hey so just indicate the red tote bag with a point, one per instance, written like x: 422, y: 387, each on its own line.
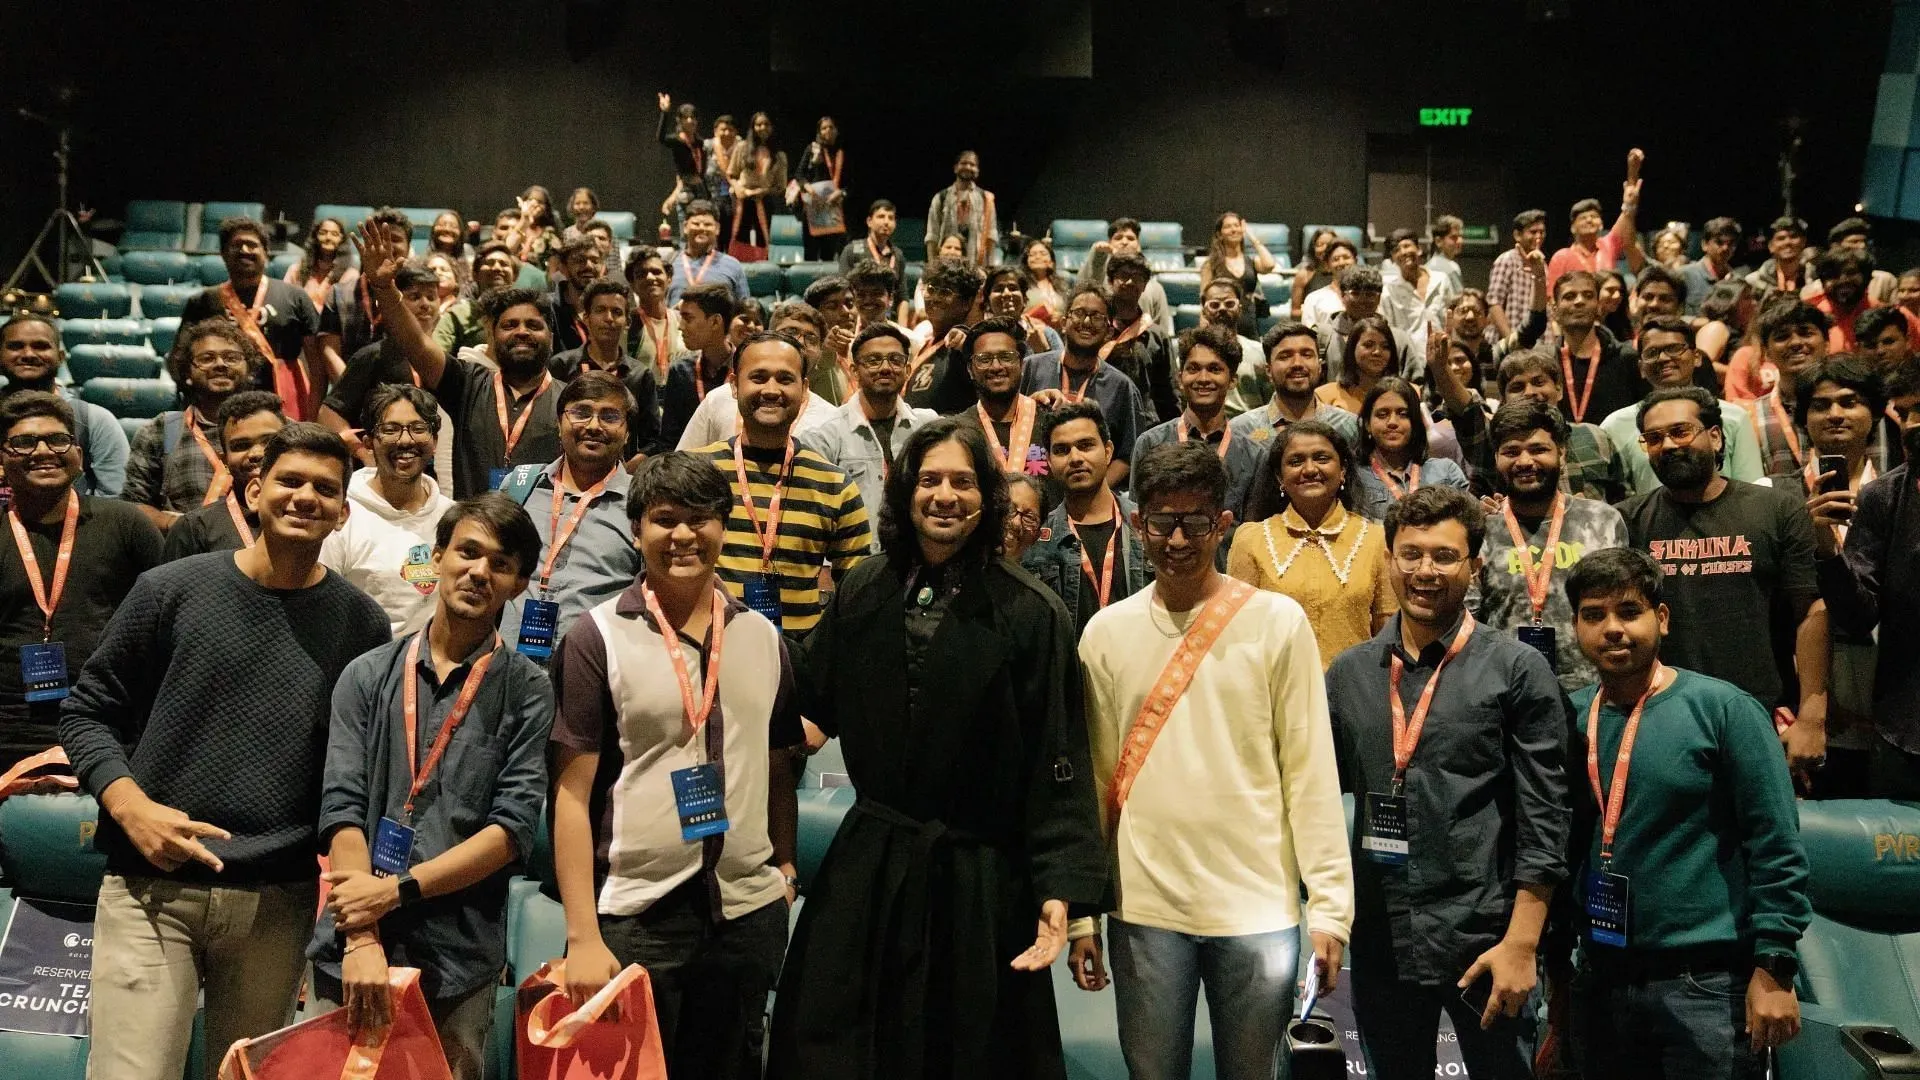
x: 323, y: 1047
x: 614, y: 1036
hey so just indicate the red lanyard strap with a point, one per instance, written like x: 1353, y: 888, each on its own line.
x: 410, y: 710
x: 1616, y: 797
x: 1226, y: 436
x: 1013, y: 456
x: 1406, y: 735
x: 222, y: 478
x: 512, y: 435
x: 696, y: 277
x: 1066, y: 378
x: 1393, y: 489
x: 1787, y: 430
x: 1541, y: 577
x: 697, y: 710
x: 1133, y: 330
x: 559, y: 535
x: 770, y: 535
x: 48, y: 599
x: 1103, y: 582
x: 239, y: 520
x: 1579, y: 401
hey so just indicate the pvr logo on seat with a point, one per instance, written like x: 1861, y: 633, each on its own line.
x: 1900, y: 847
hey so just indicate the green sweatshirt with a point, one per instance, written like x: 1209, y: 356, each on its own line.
x: 1709, y: 834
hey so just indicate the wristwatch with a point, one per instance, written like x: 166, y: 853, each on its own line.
x: 409, y: 889
x: 1781, y: 966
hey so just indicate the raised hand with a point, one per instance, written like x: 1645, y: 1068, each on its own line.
x: 1630, y: 191
x: 666, y: 101
x: 380, y: 257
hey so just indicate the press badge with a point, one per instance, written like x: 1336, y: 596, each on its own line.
x: 1607, y: 908
x: 1383, y: 835
x: 701, y: 801
x: 539, y: 621
x: 763, y: 596
x: 43, y: 670
x: 1541, y: 638
x: 392, y: 848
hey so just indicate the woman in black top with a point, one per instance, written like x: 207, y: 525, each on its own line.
x: 1313, y: 273
x: 759, y: 171
x: 680, y: 134
x: 824, y: 160
x: 1227, y: 256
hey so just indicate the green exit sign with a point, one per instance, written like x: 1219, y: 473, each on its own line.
x: 1445, y: 117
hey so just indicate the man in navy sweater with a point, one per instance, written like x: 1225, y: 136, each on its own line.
x: 217, y: 671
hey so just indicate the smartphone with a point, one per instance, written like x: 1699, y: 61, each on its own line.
x: 1478, y: 993
x: 1836, y: 464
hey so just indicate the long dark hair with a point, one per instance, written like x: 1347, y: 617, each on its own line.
x: 899, y: 539
x: 1417, y: 421
x: 1350, y: 370
x: 1269, y: 498
x: 342, y: 257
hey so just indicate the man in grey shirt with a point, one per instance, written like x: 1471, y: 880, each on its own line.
x: 1123, y: 238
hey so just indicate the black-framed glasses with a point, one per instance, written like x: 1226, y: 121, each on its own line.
x: 231, y: 358
x: 419, y: 429
x: 996, y: 359
x: 876, y: 361
x: 1083, y: 315
x: 1409, y: 560
x: 1680, y: 435
x: 586, y: 414
x: 1675, y: 351
x: 1195, y: 526
x: 58, y: 442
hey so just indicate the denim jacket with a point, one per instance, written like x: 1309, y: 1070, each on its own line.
x: 1055, y: 560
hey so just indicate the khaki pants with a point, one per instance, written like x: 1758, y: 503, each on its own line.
x: 158, y: 943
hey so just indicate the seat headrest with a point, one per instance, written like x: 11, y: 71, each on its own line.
x: 46, y: 847
x: 1864, y: 856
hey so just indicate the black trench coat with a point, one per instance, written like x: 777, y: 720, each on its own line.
x: 975, y: 806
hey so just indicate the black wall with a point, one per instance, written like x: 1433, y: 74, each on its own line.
x: 1192, y: 108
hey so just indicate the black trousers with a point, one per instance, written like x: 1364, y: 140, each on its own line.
x: 711, y: 977
x: 1399, y: 1021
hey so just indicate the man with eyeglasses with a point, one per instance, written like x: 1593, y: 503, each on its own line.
x: 1015, y: 425
x: 1739, y: 557
x: 172, y: 465
x: 1080, y: 373
x: 386, y: 547
x: 1123, y: 238
x: 1214, y: 766
x: 71, y: 560
x: 578, y: 503
x: 381, y: 360
x: 865, y: 435
x: 30, y: 358
x: 1220, y: 305
x: 607, y: 311
x: 246, y: 421
x: 1668, y: 358
x: 1089, y: 554
x: 1461, y: 826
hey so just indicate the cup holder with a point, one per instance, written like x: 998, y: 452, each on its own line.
x: 1310, y: 1033
x: 1883, y: 1050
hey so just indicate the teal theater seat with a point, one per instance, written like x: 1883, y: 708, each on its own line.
x: 1162, y: 260
x: 821, y: 811
x: 1352, y: 234
x: 166, y: 301
x: 161, y: 332
x: 102, y: 332
x: 131, y: 425
x: 763, y: 280
x: 1278, y: 287
x: 621, y: 221
x: 159, y: 267
x: 1278, y: 238
x: 1186, y: 317
x: 350, y: 216
x: 785, y: 229
x: 93, y: 300
x: 802, y: 274
x: 213, y: 213
x: 421, y: 218
x: 1076, y: 234
x: 144, y: 398
x: 1160, y: 234
x: 88, y: 362
x: 1858, y: 959
x: 210, y: 269
x: 46, y: 851
x: 1181, y: 286
x: 155, y: 225
x: 282, y: 263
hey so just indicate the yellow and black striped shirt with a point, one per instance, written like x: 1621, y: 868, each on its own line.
x: 822, y: 521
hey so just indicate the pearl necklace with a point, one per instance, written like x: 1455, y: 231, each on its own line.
x: 1341, y: 570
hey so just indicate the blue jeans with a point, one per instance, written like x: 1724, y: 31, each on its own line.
x: 1157, y: 976
x: 1693, y: 1026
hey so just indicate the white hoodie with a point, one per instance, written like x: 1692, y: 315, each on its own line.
x: 388, y: 553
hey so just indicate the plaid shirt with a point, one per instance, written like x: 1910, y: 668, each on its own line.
x: 1777, y: 453
x: 173, y: 478
x: 1589, y: 468
x: 1509, y: 285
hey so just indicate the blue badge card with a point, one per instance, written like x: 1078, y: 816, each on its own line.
x: 1383, y: 834
x: 43, y: 670
x: 763, y: 596
x: 539, y: 624
x: 1607, y: 908
x: 1542, y: 639
x: 496, y: 477
x: 701, y: 801
x: 392, y: 848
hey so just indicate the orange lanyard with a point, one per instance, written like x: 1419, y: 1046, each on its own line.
x: 697, y: 709
x: 1226, y: 436
x: 1579, y: 402
x: 239, y: 520
x: 687, y: 271
x: 835, y: 160
x: 222, y: 479
x: 562, y: 535
x: 1013, y: 456
x: 1406, y: 735
x: 69, y: 530
x: 1538, y: 578
x: 770, y: 535
x: 1616, y: 797
x: 410, y: 708
x: 1393, y: 489
x: 500, y: 408
x: 886, y: 260
x: 697, y: 150
x: 1138, y: 327
x: 1787, y: 430
x: 1066, y: 390
x: 1103, y: 584
x: 660, y: 358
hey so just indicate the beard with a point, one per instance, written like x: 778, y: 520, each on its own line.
x: 1685, y: 468
x: 1549, y: 483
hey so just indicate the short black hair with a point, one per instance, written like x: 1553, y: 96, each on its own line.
x: 1084, y: 409
x: 1425, y: 507
x: 1416, y: 419
x: 640, y: 256
x: 867, y: 274
x: 1582, y: 207
x: 1267, y: 498
x: 1522, y: 417
x: 1867, y: 325
x: 497, y: 302
x: 1124, y: 261
x: 1721, y: 228
x: 596, y: 386
x: 1179, y: 467
x: 1901, y: 381
x: 1396, y: 236
x: 30, y: 403
x: 1526, y: 362
x: 1222, y: 281
x: 801, y: 310
x: 1845, y: 227
x: 824, y: 287
x: 957, y: 276
x: 1653, y: 273
x: 305, y: 437
x: 1785, y: 310
x: 1362, y: 277
x: 701, y: 208
x: 762, y: 337
x: 244, y: 404
x: 605, y: 287
x: 1573, y: 277
x: 878, y: 205
x: 480, y: 253
x: 1613, y: 572
x: 579, y: 245
x: 1667, y: 324
x: 599, y: 225
x: 387, y: 395
x: 713, y: 299
x: 1092, y: 288
x: 992, y: 324
x: 1856, y: 373
x: 392, y: 217
x: 1123, y: 224
x: 1222, y: 341
x: 880, y: 330
x: 1835, y: 260
x: 508, y: 521
x: 1701, y: 397
x: 1787, y: 224
x: 1527, y: 219
x: 1341, y: 242
x: 33, y: 318
x: 414, y: 274
x: 1282, y: 330
x: 234, y: 226
x: 899, y: 539
x: 679, y: 478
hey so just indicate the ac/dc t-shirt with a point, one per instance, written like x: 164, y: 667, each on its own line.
x: 1739, y: 573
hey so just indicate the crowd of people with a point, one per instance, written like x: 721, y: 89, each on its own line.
x: 1099, y: 621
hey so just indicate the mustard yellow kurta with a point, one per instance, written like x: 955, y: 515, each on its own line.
x: 1341, y: 615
